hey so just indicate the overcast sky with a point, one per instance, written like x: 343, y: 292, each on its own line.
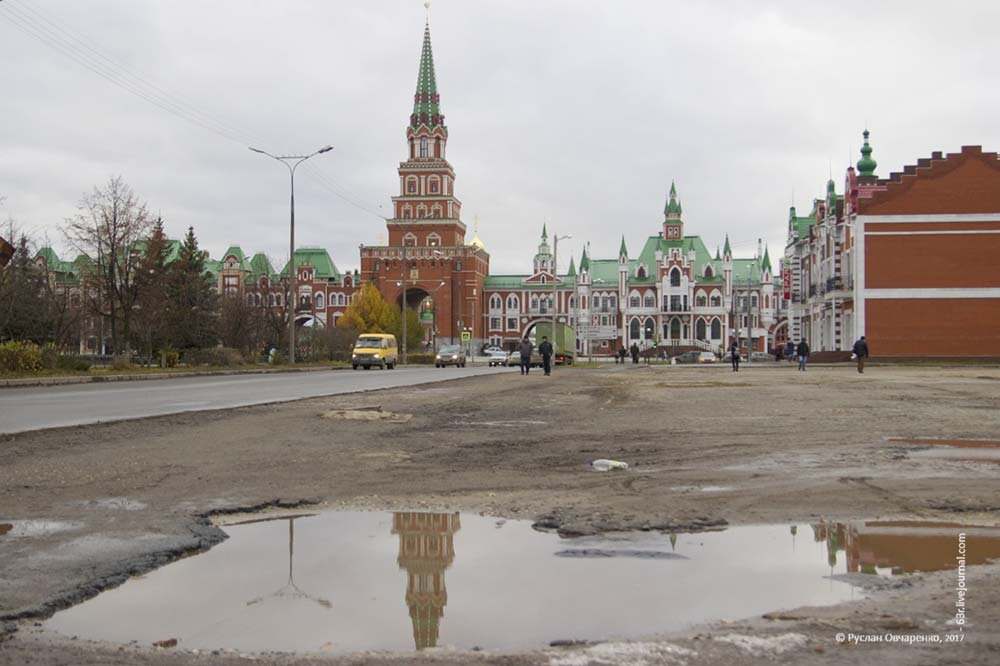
x: 578, y: 113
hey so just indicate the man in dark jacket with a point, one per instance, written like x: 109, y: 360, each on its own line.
x: 734, y: 354
x: 525, y: 351
x: 861, y: 352
x: 545, y: 349
x: 622, y: 353
x: 635, y: 353
x: 802, y: 351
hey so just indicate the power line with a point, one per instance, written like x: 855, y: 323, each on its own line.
x: 58, y: 37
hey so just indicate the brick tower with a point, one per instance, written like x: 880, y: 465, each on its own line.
x: 442, y: 274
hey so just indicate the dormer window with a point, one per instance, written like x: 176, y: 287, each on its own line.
x: 641, y: 272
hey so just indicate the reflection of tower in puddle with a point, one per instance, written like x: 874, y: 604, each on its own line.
x: 426, y: 549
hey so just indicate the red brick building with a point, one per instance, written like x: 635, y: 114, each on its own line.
x: 426, y: 252
x: 928, y: 248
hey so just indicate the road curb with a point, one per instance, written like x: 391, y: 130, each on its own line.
x: 57, y: 381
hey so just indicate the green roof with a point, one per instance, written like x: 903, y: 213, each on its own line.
x: 517, y: 282
x: 426, y: 101
x: 866, y: 165
x: 799, y: 226
x: 744, y: 267
x: 316, y: 257
x: 237, y: 251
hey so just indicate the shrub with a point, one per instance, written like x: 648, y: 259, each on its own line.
x: 20, y: 357
x: 418, y: 359
x: 49, y: 357
x: 72, y: 363
x: 169, y: 357
x: 279, y: 358
x: 121, y: 362
x: 221, y: 356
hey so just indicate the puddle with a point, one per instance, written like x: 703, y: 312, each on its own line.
x: 351, y: 581
x: 894, y: 547
x: 973, y: 450
x: 700, y: 489
x: 35, y: 528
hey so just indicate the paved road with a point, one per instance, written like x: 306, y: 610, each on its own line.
x: 76, y: 404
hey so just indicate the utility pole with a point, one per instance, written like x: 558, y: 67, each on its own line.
x: 290, y: 300
x: 555, y: 283
x: 405, y: 269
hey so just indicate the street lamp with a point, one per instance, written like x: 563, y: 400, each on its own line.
x: 555, y: 279
x: 297, y: 159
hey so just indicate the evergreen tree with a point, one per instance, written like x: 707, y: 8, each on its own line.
x: 191, y: 306
x: 150, y: 317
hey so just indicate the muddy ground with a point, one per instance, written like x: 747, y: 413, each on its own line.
x: 787, y: 446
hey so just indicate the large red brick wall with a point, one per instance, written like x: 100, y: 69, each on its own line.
x: 932, y: 261
x: 933, y: 327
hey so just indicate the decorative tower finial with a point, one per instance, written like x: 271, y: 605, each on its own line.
x: 866, y: 165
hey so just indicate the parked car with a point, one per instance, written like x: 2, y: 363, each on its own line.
x: 491, y: 348
x: 761, y: 356
x: 496, y: 357
x: 450, y: 355
x: 689, y: 357
x: 706, y: 357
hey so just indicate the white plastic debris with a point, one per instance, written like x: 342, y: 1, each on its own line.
x: 605, y: 465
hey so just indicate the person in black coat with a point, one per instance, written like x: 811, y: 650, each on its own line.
x: 802, y: 351
x: 545, y: 349
x: 734, y: 355
x: 525, y: 351
x: 635, y: 353
x: 861, y: 352
x: 622, y: 353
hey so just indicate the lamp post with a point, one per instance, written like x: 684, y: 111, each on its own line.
x: 555, y: 279
x: 291, y: 162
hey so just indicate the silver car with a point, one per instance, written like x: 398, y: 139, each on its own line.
x: 450, y: 355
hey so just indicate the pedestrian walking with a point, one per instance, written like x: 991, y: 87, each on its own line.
x: 790, y: 351
x: 525, y: 351
x: 545, y: 349
x: 734, y: 354
x: 803, y: 353
x: 622, y: 353
x: 778, y: 353
x: 635, y: 353
x: 861, y: 352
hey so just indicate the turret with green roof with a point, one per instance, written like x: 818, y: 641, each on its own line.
x: 623, y: 251
x: 673, y: 208
x: 866, y: 165
x: 426, y: 101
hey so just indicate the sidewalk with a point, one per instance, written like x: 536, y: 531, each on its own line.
x: 127, y: 377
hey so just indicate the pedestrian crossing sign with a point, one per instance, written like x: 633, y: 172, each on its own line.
x: 466, y: 336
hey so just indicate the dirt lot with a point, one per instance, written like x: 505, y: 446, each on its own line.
x: 786, y: 446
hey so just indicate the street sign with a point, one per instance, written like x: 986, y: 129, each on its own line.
x: 585, y: 332
x: 466, y: 336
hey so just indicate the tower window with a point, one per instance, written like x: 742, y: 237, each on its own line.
x: 423, y: 147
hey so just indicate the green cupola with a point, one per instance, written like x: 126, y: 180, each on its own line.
x: 673, y: 208
x: 866, y: 165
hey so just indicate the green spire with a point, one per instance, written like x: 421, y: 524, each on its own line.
x: 426, y: 101
x: 726, y: 249
x: 585, y: 261
x: 718, y: 257
x: 572, y: 268
x: 831, y: 188
x: 545, y: 232
x: 765, y: 263
x: 623, y: 251
x: 866, y: 165
x: 673, y: 206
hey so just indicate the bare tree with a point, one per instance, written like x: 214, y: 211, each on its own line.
x: 109, y: 223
